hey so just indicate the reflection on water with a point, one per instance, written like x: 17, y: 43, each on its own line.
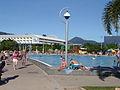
x: 88, y: 61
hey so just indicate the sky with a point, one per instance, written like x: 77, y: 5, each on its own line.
x: 42, y: 17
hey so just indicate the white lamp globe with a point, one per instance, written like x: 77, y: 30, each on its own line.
x: 67, y: 15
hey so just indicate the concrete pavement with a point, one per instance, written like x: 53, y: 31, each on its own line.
x: 29, y: 78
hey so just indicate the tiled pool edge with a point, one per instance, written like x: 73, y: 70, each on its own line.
x: 51, y: 71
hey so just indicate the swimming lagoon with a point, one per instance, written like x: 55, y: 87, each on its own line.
x: 88, y: 61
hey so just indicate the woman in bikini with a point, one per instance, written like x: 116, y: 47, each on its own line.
x: 63, y: 65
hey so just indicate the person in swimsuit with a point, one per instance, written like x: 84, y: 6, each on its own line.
x: 15, y: 61
x: 74, y: 64
x: 63, y: 64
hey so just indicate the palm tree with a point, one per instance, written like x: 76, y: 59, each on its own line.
x: 111, y: 16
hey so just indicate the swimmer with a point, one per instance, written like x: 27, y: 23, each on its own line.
x: 61, y: 57
x: 93, y: 58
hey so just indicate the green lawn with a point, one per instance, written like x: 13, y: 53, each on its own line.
x: 99, y: 88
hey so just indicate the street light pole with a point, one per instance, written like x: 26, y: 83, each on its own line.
x: 43, y: 49
x: 66, y: 42
x: 101, y: 45
x: 65, y: 20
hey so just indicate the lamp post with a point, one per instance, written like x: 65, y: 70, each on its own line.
x: 19, y: 45
x: 43, y: 49
x: 101, y: 46
x: 64, y: 19
x: 25, y: 46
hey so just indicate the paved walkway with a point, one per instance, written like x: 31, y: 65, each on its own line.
x: 33, y: 78
x: 29, y: 78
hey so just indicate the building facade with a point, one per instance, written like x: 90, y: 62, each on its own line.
x: 32, y: 39
x: 112, y: 39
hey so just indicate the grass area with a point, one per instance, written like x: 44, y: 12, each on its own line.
x: 99, y: 88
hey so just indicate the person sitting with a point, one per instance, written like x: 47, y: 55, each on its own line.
x: 73, y: 61
x: 74, y: 64
x: 63, y: 64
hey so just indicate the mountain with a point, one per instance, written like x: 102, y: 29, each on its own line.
x: 78, y: 40
x: 4, y: 33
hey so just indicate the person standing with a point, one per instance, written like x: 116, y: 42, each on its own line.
x: 24, y: 58
x: 2, y: 63
x: 118, y: 58
x: 15, y: 60
x: 20, y: 54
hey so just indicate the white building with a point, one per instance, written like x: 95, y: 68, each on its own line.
x: 32, y: 39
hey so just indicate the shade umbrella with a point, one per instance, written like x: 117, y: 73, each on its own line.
x: 111, y: 50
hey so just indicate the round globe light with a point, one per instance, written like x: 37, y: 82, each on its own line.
x: 67, y: 15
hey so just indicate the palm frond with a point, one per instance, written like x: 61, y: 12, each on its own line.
x: 111, y: 16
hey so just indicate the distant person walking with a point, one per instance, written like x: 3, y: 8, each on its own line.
x: 6, y: 55
x: 24, y: 58
x: 15, y: 60
x: 20, y: 54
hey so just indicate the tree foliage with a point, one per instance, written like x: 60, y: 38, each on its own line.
x: 92, y: 47
x: 111, y: 46
x: 111, y: 16
x: 97, y: 47
x: 8, y: 45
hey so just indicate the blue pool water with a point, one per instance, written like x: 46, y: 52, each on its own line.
x: 88, y: 61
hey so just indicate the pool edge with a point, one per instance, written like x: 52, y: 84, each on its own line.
x: 51, y: 71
